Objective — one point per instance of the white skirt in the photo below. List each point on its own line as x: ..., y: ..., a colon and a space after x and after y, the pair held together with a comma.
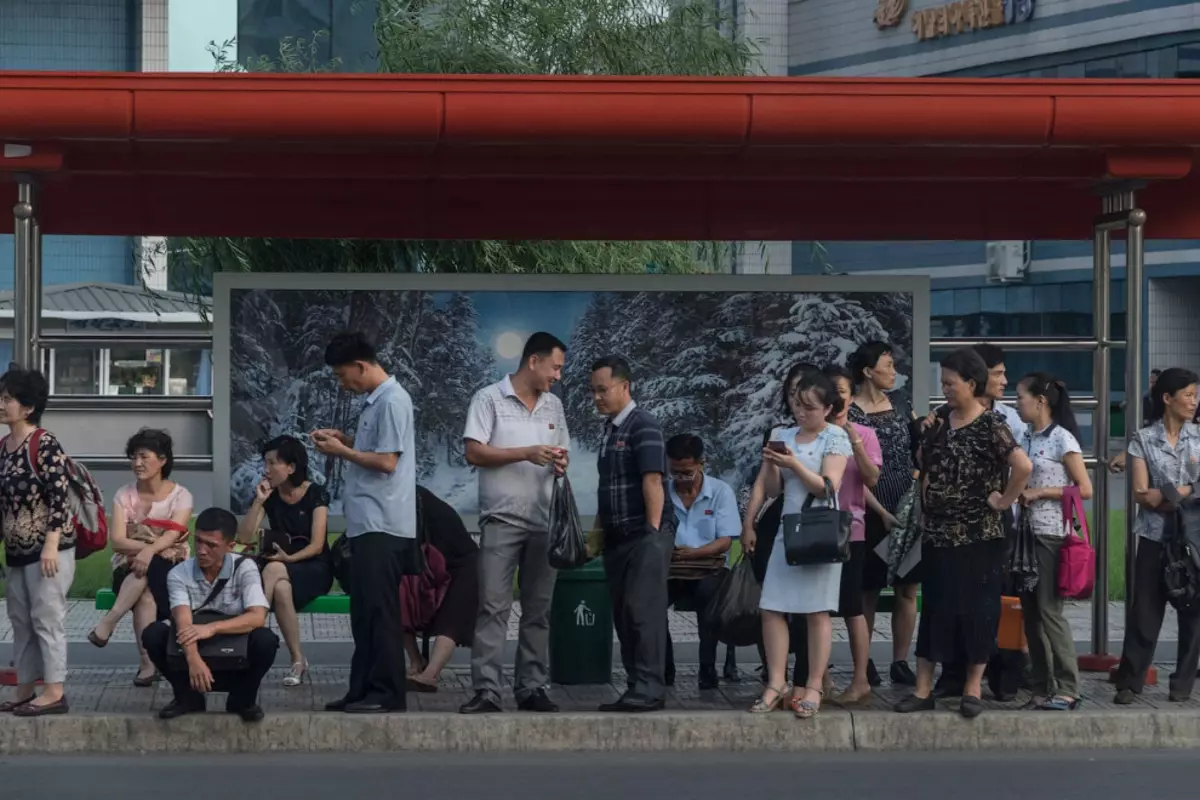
x: 808, y: 589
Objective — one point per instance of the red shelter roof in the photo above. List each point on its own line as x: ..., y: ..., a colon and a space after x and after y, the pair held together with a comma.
x: 597, y: 158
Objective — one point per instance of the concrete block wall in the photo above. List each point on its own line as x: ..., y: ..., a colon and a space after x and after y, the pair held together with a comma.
x: 1173, y: 323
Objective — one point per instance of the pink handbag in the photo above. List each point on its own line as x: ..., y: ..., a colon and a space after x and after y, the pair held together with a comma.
x: 1076, y: 559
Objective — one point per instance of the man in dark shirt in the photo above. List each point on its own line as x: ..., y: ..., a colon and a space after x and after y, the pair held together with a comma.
x: 638, y: 535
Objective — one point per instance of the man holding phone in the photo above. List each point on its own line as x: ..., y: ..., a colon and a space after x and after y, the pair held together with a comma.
x: 516, y: 435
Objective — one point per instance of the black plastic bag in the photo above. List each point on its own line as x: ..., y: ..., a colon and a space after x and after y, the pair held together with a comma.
x: 1022, y: 564
x: 733, y: 610
x: 568, y: 546
x: 339, y: 556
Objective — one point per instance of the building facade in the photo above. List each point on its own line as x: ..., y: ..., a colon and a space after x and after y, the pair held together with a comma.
x: 94, y: 282
x: 982, y: 291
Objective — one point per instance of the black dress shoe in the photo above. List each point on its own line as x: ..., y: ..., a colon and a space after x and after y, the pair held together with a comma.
x: 912, y: 703
x: 339, y: 704
x: 708, y: 678
x: 636, y: 704
x: 873, y: 678
x: 249, y: 713
x: 971, y: 707
x: 616, y: 705
x: 902, y: 675
x: 1125, y: 697
x: 175, y: 709
x: 369, y: 707
x: 481, y: 703
x: 59, y: 706
x: 538, y: 702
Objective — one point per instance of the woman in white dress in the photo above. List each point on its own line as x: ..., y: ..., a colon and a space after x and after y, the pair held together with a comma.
x: 797, y: 461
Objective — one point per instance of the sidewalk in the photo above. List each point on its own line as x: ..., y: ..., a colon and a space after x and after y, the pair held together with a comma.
x: 110, y: 716
x: 82, y: 617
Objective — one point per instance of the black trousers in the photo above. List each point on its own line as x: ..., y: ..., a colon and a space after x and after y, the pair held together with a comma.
x: 700, y: 593
x: 1145, y: 623
x: 241, y: 685
x: 637, y: 583
x: 378, y: 561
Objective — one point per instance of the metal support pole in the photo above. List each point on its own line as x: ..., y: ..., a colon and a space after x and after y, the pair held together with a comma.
x: 1101, y: 269
x: 1134, y: 263
x: 24, y: 255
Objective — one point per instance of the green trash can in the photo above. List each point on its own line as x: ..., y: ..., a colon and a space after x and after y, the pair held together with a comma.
x: 581, y: 628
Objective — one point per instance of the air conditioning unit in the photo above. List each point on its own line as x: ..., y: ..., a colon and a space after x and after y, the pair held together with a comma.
x: 1008, y: 262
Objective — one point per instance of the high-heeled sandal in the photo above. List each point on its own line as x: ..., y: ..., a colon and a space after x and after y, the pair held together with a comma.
x: 807, y: 709
x: 762, y: 706
x: 297, y: 675
x: 95, y: 640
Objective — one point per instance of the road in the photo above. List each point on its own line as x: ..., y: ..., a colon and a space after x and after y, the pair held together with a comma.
x: 591, y: 776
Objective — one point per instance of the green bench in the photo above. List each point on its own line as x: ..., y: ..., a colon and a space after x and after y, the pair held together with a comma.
x: 325, y: 604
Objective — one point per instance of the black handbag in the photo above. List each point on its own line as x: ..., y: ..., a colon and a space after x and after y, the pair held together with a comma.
x: 817, y: 535
x: 225, y: 652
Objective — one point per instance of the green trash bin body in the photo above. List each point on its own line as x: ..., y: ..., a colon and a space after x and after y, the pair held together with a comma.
x: 581, y: 628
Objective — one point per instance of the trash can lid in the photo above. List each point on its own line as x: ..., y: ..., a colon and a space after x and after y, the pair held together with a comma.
x: 591, y: 571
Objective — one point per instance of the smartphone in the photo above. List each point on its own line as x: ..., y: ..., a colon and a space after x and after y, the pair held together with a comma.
x: 778, y: 447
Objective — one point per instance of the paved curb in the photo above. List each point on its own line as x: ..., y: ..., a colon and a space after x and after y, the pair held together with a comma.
x: 672, y: 731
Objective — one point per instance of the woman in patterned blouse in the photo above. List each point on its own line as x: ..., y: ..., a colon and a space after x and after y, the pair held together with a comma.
x: 973, y: 471
x: 39, y: 545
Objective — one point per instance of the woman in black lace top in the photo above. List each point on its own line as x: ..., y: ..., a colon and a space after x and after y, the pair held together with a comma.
x: 874, y: 373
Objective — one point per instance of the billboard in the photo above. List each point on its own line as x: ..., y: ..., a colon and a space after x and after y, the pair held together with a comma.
x: 708, y: 355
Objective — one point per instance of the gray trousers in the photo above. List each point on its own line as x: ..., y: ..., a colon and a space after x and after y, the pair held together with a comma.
x: 1051, y: 643
x: 637, y: 571
x: 37, y: 611
x: 505, y: 552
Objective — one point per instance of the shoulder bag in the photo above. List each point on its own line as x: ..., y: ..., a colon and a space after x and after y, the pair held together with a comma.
x: 817, y: 535
x: 1076, y: 559
x: 225, y: 652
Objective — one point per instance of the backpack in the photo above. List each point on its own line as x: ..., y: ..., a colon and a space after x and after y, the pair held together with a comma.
x: 85, y: 502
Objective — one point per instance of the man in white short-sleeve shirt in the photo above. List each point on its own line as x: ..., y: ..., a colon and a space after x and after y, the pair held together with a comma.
x: 516, y: 436
x: 216, y: 593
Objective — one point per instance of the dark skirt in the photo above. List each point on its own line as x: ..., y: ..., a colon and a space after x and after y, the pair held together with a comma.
x: 850, y: 595
x: 875, y: 569
x: 310, y: 578
x: 455, y: 617
x: 156, y: 582
x: 960, y: 612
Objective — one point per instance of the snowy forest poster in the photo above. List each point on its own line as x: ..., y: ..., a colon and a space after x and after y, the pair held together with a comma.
x: 704, y: 362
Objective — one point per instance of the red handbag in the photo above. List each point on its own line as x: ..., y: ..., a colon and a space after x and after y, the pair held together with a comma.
x: 1076, y: 559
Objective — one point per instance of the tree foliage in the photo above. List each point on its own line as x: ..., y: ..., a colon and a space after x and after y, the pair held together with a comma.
x: 551, y: 37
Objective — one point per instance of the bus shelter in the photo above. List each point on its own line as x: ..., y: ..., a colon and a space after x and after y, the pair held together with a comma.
x: 536, y: 157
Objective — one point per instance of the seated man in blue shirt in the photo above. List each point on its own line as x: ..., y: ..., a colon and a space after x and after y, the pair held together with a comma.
x: 707, y: 520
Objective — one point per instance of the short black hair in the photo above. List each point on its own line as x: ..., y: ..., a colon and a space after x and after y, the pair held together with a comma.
x: 970, y: 366
x: 157, y: 441
x: 992, y: 355
x: 29, y: 388
x: 541, y: 344
x: 350, y: 348
x: 864, y: 358
x: 618, y: 365
x: 1171, y: 381
x: 218, y: 520
x: 1154, y: 373
x: 292, y: 452
x: 684, y: 446
x: 835, y: 371
x: 795, y: 372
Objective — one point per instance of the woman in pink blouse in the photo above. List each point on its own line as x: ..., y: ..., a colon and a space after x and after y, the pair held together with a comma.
x: 862, y: 472
x: 149, y: 537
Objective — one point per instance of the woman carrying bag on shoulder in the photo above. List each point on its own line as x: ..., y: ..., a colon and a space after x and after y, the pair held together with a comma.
x: 1053, y: 446
x: 803, y: 461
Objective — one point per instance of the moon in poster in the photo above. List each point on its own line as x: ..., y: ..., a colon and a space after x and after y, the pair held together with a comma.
x: 509, y: 345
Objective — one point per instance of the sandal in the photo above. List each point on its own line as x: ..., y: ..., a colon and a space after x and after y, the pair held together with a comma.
x: 762, y: 706
x: 96, y: 640
x: 1060, y: 702
x: 851, y: 697
x: 297, y: 675
x: 146, y: 681
x: 807, y: 709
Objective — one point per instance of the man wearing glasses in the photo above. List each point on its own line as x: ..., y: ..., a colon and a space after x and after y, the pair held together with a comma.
x: 707, y: 521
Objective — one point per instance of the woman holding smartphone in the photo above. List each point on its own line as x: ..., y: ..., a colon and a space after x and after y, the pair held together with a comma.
x: 295, y: 562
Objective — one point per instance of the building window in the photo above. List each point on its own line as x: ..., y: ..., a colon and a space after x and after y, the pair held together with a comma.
x: 135, y: 371
x: 75, y: 371
x: 189, y: 373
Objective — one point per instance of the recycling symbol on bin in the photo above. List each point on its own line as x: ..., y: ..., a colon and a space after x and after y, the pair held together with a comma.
x: 584, y: 616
